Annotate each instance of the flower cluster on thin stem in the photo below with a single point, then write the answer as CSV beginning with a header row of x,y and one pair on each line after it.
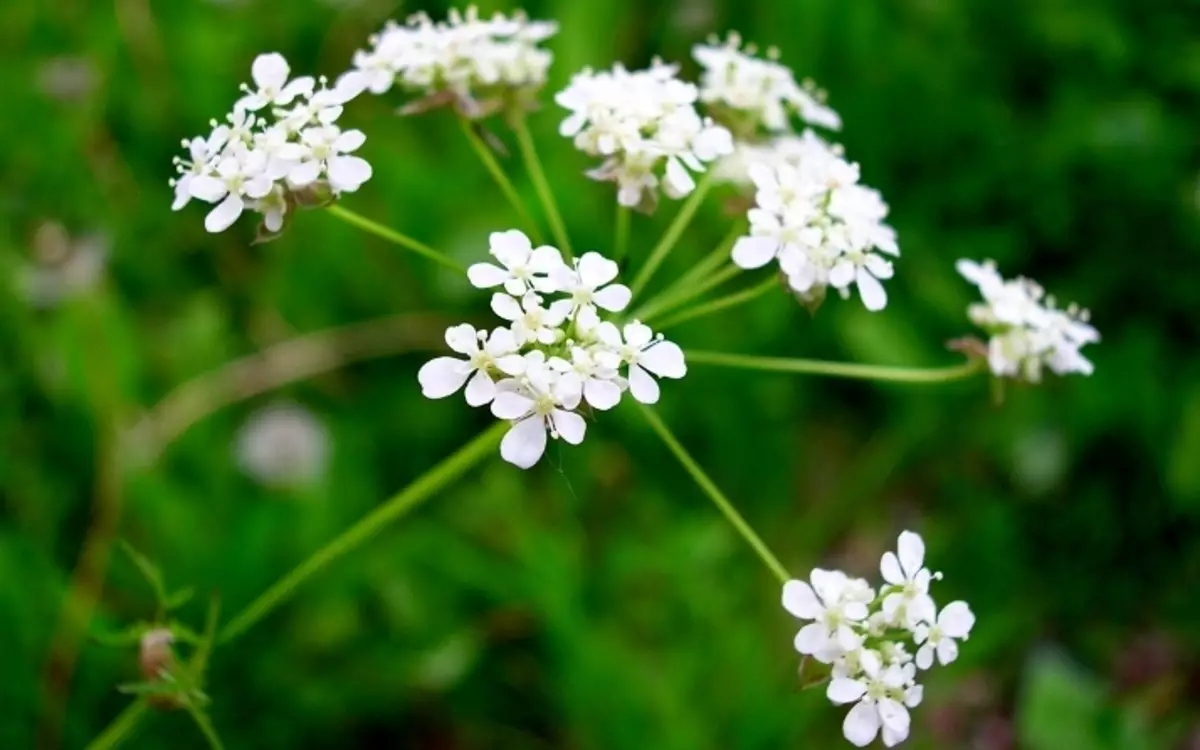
x,y
1027,331
476,65
645,126
279,149
554,357
875,642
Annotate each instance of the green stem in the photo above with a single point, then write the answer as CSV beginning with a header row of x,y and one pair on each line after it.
x,y
391,235
621,245
722,303
121,727
408,498
688,281
665,303
714,493
673,233
840,369
206,727
534,165
493,167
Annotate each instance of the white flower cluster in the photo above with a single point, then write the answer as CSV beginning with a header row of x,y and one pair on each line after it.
x,y
823,228
552,357
1028,332
867,638
755,93
467,56
279,148
645,126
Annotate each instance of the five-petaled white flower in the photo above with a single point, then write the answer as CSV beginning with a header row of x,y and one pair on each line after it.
x,y
236,180
908,601
530,321
953,624
270,73
593,373
882,697
538,402
826,603
646,356
326,150
486,355
588,284
523,268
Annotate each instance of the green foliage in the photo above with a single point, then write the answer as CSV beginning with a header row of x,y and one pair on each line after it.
x,y
600,601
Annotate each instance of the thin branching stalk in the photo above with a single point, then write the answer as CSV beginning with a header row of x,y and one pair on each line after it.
x,y
488,157
122,727
391,235
723,303
664,304
683,286
841,369
621,242
206,727
714,493
671,237
534,165
421,489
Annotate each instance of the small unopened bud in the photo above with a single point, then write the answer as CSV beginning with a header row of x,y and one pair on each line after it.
x,y
156,654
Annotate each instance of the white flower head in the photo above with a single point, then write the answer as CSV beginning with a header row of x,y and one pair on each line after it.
x,y
758,93
941,636
645,127
283,445
1028,333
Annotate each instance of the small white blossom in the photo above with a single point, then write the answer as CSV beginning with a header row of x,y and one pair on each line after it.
x,y
953,624
645,126
908,602
530,321
325,151
762,93
588,284
485,356
522,267
283,445
1027,331
825,603
270,73
540,402
646,355
880,695
236,179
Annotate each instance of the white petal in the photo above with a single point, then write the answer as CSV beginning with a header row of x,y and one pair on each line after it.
x,y
595,270
570,426
510,405
871,291
269,70
947,651
347,173
206,188
638,334
525,443
545,259
602,394
754,252
913,696
485,275
501,342
227,211
842,274
925,656
811,639
664,359
510,248
912,553
305,173
613,298
879,267
893,737
801,601
481,389
679,180
506,307
462,339
828,584
893,714
442,376
349,141
861,725
956,620
842,690
855,611
889,566
643,387
511,364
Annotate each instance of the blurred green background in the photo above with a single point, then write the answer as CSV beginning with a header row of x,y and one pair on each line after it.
x,y
598,601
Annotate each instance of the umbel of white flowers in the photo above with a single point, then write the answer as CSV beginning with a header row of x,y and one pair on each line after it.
x,y
1027,331
280,148
875,641
554,356
645,127
476,64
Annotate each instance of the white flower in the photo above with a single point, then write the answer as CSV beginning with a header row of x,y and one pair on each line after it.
x,y
1027,331
645,126
530,321
538,404
235,180
763,90
953,624
880,696
593,374
588,284
324,150
525,269
910,602
825,603
202,155
820,225
270,73
646,355
485,354
283,445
